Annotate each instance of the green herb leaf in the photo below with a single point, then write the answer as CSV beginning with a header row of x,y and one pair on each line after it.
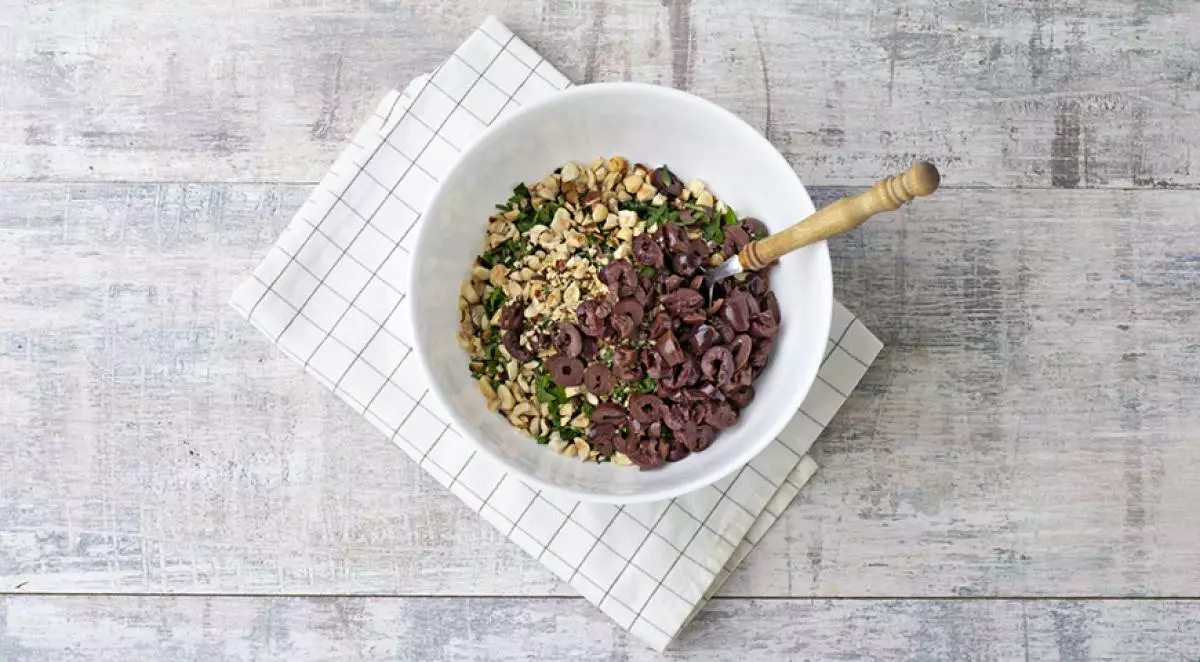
x,y
549,392
643,210
524,222
569,434
712,230
520,195
620,391
646,385
730,217
658,215
494,300
647,272
507,254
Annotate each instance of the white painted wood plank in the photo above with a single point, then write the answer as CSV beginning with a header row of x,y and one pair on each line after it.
x,y
45,628
1029,429
1036,94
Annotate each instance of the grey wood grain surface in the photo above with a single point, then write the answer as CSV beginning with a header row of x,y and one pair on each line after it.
x,y
1029,431
220,628
1069,94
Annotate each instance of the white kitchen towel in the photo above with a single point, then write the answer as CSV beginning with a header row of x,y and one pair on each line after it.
x,y
331,295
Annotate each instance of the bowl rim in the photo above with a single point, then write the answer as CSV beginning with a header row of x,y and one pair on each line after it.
x,y
700,480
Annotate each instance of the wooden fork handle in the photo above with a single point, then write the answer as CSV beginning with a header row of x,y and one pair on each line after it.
x,y
842,216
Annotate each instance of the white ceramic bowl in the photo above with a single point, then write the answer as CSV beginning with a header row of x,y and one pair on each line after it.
x,y
647,124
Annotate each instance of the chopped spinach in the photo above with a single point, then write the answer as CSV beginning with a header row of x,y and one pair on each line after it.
x,y
646,385
643,209
712,230
620,391
549,392
494,300
542,216
507,254
520,195
569,434
658,215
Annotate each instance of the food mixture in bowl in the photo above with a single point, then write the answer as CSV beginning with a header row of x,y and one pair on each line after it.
x,y
586,317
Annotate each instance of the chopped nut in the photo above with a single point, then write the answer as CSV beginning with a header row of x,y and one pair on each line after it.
x,y
624,250
524,409
582,448
485,387
467,292
599,212
617,164
562,221
480,273
696,187
610,181
716,259
507,401
569,450
627,218
519,422
596,163
621,459
632,183
571,295
513,289
646,192
570,171
575,239
556,442
580,420
499,275
705,199
625,234
658,200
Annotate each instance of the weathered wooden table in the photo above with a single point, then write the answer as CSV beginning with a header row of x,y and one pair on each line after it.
x,y
1018,477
